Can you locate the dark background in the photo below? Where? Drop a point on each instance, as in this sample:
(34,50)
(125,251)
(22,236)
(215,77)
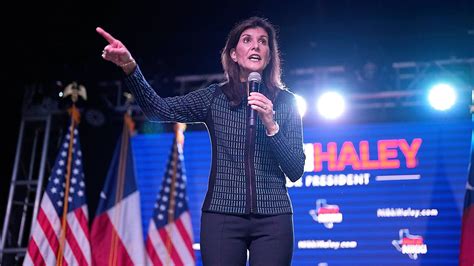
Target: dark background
(53,43)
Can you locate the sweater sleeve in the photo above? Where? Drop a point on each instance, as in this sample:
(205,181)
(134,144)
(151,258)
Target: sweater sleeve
(192,107)
(287,144)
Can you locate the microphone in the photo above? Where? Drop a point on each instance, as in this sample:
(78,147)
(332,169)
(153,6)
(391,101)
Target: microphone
(254,80)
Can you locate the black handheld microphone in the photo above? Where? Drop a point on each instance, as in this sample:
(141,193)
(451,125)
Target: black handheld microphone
(254,80)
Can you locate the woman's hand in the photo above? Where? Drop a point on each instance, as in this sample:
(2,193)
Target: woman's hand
(264,108)
(117,53)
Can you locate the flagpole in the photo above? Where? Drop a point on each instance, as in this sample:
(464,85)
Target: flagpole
(74,90)
(179,129)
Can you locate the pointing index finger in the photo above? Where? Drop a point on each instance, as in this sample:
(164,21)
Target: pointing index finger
(106,35)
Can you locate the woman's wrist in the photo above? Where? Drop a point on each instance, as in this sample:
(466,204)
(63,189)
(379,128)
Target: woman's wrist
(273,129)
(129,67)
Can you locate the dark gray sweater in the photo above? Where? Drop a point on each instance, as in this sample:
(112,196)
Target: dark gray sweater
(248,167)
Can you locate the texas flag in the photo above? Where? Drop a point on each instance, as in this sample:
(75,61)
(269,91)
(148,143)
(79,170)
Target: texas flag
(116,235)
(467,239)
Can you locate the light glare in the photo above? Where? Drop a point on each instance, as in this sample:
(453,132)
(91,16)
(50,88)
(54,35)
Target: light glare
(331,105)
(301,103)
(442,97)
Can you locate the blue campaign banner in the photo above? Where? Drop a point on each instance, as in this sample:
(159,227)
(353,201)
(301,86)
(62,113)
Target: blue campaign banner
(379,194)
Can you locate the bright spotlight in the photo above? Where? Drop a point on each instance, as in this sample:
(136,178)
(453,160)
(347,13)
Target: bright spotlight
(301,103)
(442,97)
(331,105)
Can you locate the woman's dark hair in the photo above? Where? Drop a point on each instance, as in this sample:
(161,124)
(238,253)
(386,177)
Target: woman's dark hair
(271,73)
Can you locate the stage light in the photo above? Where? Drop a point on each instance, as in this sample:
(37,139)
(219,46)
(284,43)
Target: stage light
(442,96)
(331,105)
(301,103)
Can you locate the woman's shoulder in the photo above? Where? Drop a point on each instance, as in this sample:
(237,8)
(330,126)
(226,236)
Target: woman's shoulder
(216,86)
(211,88)
(286,95)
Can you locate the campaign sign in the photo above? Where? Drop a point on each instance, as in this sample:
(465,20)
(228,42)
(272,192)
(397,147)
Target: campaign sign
(378,194)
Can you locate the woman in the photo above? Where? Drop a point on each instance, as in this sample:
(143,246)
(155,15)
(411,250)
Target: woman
(247,206)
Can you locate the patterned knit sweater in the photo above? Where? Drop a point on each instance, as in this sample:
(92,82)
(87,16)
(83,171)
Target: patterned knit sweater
(248,167)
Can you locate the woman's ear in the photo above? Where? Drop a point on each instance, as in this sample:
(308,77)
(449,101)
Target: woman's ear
(233,55)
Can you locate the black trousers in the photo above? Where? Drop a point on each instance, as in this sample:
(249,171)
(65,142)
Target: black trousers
(226,238)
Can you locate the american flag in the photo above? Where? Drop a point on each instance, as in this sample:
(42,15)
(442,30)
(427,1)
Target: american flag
(58,239)
(116,234)
(170,238)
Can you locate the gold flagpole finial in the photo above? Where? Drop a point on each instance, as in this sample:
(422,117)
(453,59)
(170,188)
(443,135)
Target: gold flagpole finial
(75,90)
(179,129)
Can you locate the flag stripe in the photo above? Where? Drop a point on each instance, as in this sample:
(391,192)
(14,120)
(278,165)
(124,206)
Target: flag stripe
(188,244)
(35,255)
(48,231)
(172,249)
(44,235)
(81,216)
(179,244)
(80,227)
(128,227)
(68,257)
(72,231)
(27,261)
(105,231)
(148,261)
(186,220)
(158,244)
(152,256)
(48,254)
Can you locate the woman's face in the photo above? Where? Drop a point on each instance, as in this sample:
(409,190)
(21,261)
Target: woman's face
(252,52)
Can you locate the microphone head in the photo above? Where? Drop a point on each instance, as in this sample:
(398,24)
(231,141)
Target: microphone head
(255,76)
